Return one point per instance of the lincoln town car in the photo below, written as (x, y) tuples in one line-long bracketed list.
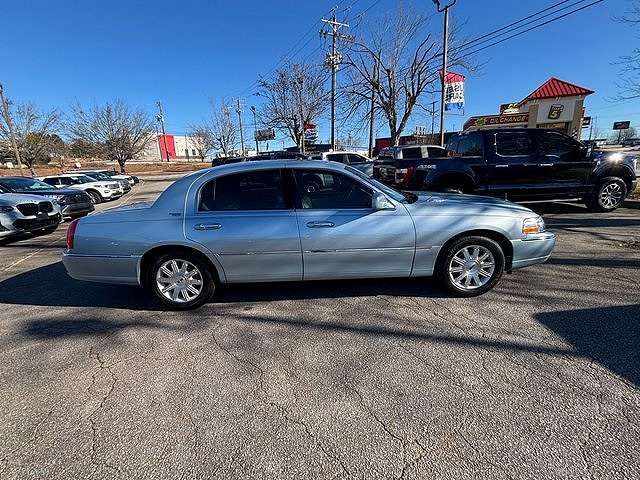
[(294, 220)]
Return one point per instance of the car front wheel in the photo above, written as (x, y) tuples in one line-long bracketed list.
[(96, 198), (609, 196), (471, 266), (180, 281)]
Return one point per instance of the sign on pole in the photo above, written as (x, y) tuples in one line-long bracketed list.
[(265, 134), (586, 121), (621, 125), (453, 90)]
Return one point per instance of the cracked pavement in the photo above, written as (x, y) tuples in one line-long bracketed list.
[(353, 379)]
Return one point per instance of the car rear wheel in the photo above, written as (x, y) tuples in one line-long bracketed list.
[(180, 281), (96, 198), (471, 266), (609, 196)]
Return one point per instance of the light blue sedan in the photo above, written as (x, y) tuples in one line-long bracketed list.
[(286, 220)]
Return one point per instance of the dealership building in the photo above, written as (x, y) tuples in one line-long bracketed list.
[(556, 104)]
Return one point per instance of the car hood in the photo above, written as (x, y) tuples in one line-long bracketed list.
[(53, 191), (464, 204), (12, 199)]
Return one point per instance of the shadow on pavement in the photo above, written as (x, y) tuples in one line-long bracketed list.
[(51, 286), (596, 262), (608, 335)]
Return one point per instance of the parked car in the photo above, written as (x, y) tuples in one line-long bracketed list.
[(397, 165), (300, 220), (21, 213), (355, 159), (100, 176), (132, 179), (631, 142), (73, 202), (98, 191), (530, 164), (274, 155)]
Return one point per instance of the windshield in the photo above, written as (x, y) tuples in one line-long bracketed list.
[(24, 184), (395, 194), (99, 176)]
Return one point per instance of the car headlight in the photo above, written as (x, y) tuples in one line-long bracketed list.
[(6, 209), (533, 225)]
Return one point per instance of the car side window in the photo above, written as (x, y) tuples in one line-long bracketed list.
[(470, 146), (353, 158), (259, 190), (336, 157), (413, 152), (555, 144), (434, 152), (327, 190), (509, 144), (50, 181)]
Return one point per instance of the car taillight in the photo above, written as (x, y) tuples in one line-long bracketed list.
[(71, 233)]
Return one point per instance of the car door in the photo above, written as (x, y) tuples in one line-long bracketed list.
[(469, 152), (249, 223), (564, 163), (513, 170), (342, 236)]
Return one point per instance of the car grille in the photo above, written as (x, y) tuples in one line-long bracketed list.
[(35, 224), (32, 209)]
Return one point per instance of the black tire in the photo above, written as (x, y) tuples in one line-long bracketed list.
[(205, 275), (446, 259), (609, 195), (96, 198)]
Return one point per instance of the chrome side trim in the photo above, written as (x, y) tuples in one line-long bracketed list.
[(348, 250), (85, 255), (259, 253)]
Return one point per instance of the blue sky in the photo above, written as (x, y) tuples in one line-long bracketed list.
[(183, 53)]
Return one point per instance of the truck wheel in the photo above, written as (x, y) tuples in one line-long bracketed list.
[(180, 280), (610, 194), (471, 266)]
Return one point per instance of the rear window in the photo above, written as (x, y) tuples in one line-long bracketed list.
[(513, 143), (260, 190), (435, 152), (470, 145), (413, 152)]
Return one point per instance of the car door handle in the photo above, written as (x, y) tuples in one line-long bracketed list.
[(321, 224), (207, 226), (502, 165)]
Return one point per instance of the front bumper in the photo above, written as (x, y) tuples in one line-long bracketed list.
[(102, 268), (19, 224), (532, 250), (77, 209)]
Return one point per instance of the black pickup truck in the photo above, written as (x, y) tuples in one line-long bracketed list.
[(527, 165)]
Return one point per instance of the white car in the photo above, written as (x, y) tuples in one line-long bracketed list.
[(99, 191), (355, 159), (112, 174)]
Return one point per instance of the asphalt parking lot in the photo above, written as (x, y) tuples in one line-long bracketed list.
[(358, 379)]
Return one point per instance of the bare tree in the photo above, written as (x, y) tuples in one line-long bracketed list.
[(33, 131), (294, 92), (202, 138), (223, 127), (630, 84), (396, 65), (114, 131)]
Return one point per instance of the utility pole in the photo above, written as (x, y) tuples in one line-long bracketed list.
[(9, 120), (445, 46), (433, 117), (239, 112), (372, 110), (333, 59), (160, 118), (255, 128)]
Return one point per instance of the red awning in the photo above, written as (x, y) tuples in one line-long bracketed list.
[(554, 87)]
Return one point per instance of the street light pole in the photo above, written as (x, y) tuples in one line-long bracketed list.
[(239, 112), (445, 46), (255, 128), (9, 120), (160, 118)]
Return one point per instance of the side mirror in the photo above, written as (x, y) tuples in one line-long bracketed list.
[(381, 202)]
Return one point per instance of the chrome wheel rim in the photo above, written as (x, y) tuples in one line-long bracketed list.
[(611, 195), (472, 267), (179, 281)]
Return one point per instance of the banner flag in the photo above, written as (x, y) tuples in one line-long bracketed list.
[(453, 90)]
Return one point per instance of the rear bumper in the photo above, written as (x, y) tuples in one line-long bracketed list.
[(103, 268), (531, 251)]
